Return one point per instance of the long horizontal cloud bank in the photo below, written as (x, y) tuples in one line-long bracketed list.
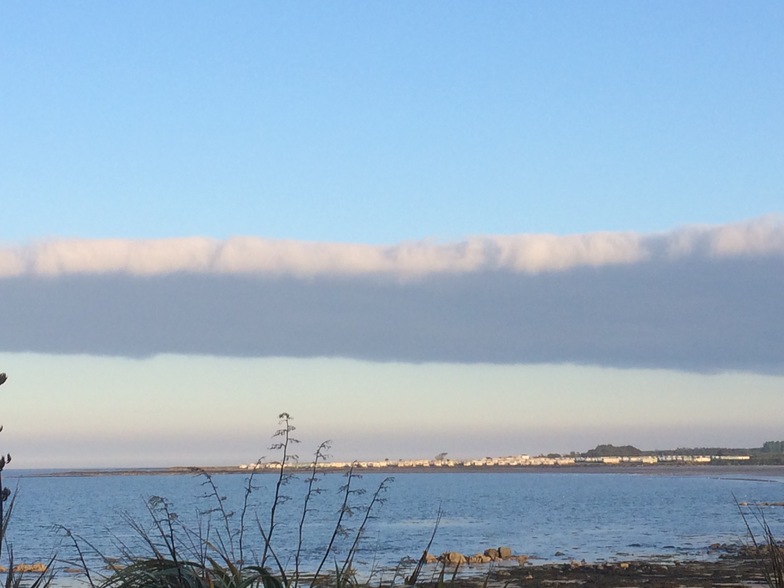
[(699, 298), (516, 253)]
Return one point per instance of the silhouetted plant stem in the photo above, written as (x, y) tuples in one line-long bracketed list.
[(82, 562), (284, 432), (344, 509), (321, 455), (772, 563), (414, 577), (268, 547), (12, 578), (243, 513), (382, 487), (5, 493), (225, 516)]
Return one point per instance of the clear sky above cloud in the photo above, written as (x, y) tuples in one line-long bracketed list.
[(513, 227), (382, 122)]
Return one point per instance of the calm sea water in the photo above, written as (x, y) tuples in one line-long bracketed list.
[(550, 516)]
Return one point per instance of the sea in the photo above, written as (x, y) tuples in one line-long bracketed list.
[(609, 515)]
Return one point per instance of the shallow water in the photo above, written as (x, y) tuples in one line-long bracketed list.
[(550, 516)]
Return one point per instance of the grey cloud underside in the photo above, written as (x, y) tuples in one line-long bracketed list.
[(692, 314)]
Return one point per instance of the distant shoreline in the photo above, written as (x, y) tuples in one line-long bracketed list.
[(669, 469)]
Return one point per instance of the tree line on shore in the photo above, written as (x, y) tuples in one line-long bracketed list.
[(771, 452)]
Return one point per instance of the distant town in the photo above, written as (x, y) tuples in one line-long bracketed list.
[(771, 453)]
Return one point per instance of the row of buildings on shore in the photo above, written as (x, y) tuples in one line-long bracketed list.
[(512, 461)]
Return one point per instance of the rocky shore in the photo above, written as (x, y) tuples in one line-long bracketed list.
[(735, 566), (744, 566), (724, 572)]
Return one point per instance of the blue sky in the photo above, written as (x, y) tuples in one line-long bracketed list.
[(362, 205)]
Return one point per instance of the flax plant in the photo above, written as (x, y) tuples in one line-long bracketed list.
[(214, 556)]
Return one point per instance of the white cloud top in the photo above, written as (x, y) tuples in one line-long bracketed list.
[(697, 298), (515, 253)]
